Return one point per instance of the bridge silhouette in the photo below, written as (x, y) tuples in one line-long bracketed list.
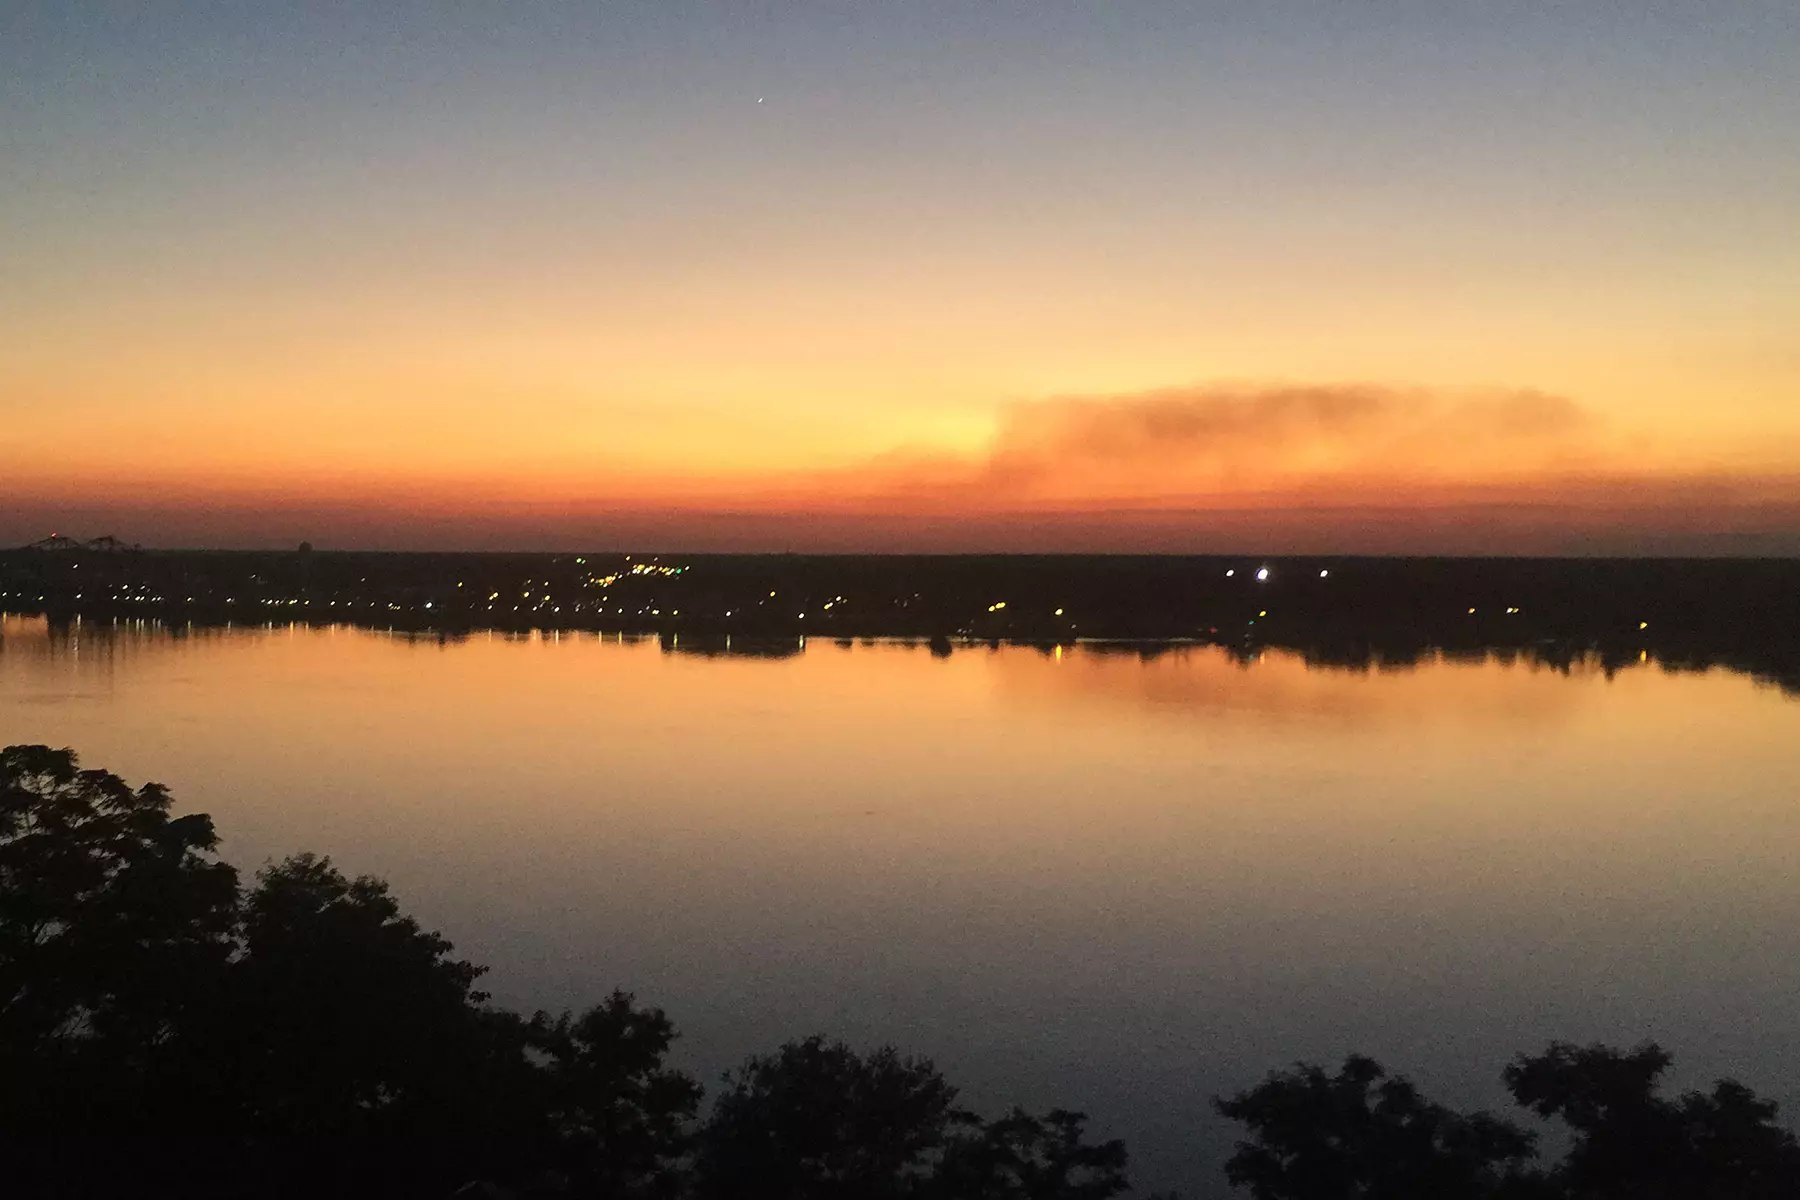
[(101, 545)]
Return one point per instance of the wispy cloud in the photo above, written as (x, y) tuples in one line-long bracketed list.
[(1345, 468), (1220, 439)]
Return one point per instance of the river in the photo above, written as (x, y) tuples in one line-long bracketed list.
[(1110, 879)]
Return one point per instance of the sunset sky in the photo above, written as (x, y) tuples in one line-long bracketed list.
[(903, 274)]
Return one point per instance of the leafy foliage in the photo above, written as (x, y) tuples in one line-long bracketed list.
[(622, 1120), (109, 908), (817, 1120), (1630, 1142), (1025, 1157), (1360, 1133), (164, 1032)]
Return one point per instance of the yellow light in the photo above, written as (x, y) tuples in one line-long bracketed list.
[(1643, 624), (1059, 613)]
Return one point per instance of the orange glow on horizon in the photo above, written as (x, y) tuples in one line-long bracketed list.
[(1315, 467), (569, 284)]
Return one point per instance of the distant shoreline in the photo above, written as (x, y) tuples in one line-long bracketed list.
[(1743, 614)]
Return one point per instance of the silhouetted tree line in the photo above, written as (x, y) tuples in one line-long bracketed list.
[(1690, 614), (1360, 1133), (167, 1031)]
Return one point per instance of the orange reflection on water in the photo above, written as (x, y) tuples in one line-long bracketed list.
[(340, 737), (1071, 876)]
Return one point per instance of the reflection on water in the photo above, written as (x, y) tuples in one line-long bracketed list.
[(1072, 876)]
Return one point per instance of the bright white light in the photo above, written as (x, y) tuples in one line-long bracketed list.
[(1324, 574), (1262, 575), (1229, 574)]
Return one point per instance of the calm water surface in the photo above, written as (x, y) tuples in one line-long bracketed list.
[(1083, 878)]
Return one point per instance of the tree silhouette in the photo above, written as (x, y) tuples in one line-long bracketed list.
[(817, 1121), (164, 1033), (1362, 1134), (358, 1051), (1359, 1135), (1629, 1142), (621, 1118), (109, 907), (1024, 1157), (115, 923)]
